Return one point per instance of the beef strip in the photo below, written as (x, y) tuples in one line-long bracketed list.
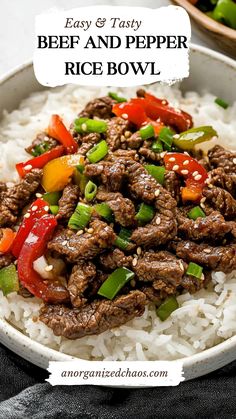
[(41, 144), (222, 201), (83, 247), (123, 208), (100, 107), (161, 265), (116, 129), (219, 157), (220, 258), (93, 318), (6, 259), (87, 142), (150, 154), (15, 198), (82, 274), (210, 227), (115, 259), (3, 187), (172, 184), (134, 141), (227, 181), (111, 174), (67, 203)]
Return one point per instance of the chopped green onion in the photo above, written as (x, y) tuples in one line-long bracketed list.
[(52, 197), (147, 132), (81, 217), (221, 103), (54, 209), (80, 168), (40, 149), (84, 125), (116, 97), (188, 139), (9, 279), (98, 152), (123, 239), (157, 146), (194, 270), (196, 212), (115, 282), (167, 307), (80, 179), (145, 213), (105, 211), (166, 137), (158, 172), (90, 191)]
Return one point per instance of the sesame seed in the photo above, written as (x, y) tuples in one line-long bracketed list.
[(202, 277), (185, 162), (64, 243), (195, 173), (125, 115), (202, 205), (176, 167), (176, 136), (34, 208), (158, 221), (28, 167), (185, 152), (122, 138), (79, 232), (177, 110), (198, 177), (127, 134), (163, 102), (207, 250), (38, 195), (184, 172), (48, 268), (210, 185), (157, 192), (203, 200), (90, 230), (139, 251), (84, 127), (46, 208), (172, 159), (132, 283), (27, 215), (181, 265), (234, 161), (135, 261), (162, 154)]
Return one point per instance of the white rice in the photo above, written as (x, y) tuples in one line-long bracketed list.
[(203, 319)]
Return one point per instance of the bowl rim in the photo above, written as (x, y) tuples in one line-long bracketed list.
[(11, 333), (207, 22)]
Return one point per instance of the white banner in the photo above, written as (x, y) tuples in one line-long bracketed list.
[(111, 373), (112, 46)]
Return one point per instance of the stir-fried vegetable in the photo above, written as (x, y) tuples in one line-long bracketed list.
[(105, 211), (90, 191), (116, 97), (33, 248), (81, 217), (113, 284), (188, 139), (195, 174), (223, 11), (167, 307), (195, 213), (57, 173), (157, 146), (221, 103), (40, 161), (57, 130), (123, 239), (195, 270), (38, 209), (158, 172), (83, 125), (147, 132), (40, 149), (145, 213), (166, 137), (52, 198), (6, 240), (54, 209), (98, 152), (9, 279)]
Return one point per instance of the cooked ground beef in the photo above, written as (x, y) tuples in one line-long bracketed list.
[(93, 318), (115, 259), (100, 107), (219, 157), (227, 181), (85, 246), (116, 129), (15, 198), (82, 274), (112, 175), (41, 144), (222, 201), (67, 203), (172, 184)]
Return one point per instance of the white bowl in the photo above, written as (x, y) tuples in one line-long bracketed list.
[(209, 71)]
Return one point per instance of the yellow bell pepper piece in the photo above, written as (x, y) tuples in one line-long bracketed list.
[(57, 172)]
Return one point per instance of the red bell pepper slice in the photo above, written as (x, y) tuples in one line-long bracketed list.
[(36, 211), (195, 174), (6, 240), (40, 161), (57, 130), (33, 248), (134, 113)]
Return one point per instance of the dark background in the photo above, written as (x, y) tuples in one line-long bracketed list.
[(24, 394)]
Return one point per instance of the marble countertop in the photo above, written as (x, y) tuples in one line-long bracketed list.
[(17, 25)]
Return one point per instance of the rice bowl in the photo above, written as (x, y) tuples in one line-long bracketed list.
[(203, 320)]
